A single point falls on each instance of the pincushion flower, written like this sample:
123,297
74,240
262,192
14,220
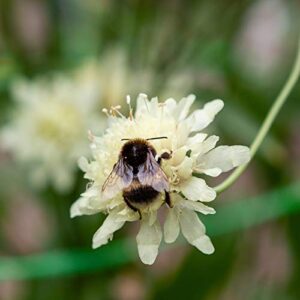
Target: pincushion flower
192,153
114,77
48,130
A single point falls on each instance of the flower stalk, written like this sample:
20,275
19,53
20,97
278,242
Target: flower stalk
266,125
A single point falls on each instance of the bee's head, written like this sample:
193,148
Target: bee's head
134,152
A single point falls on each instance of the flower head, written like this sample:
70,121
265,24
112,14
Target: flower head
190,152
49,126
114,77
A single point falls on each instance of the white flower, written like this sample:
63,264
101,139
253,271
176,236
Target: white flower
192,152
49,126
115,77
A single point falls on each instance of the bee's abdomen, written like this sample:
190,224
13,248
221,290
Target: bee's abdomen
142,194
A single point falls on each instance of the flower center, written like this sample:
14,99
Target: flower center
61,125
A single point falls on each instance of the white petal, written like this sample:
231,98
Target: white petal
75,210
196,189
205,146
127,214
185,169
141,102
182,133
170,106
144,106
148,241
197,138
191,227
152,216
93,191
194,231
91,202
225,158
178,156
171,225
106,231
83,164
82,207
212,172
197,206
154,107
203,117
204,244
183,107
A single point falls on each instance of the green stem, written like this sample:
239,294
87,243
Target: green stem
278,103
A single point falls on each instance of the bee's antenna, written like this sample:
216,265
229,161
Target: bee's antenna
157,138
153,138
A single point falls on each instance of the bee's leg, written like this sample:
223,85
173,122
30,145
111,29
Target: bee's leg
133,207
165,155
168,199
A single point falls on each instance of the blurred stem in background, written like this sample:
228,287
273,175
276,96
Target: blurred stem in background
277,105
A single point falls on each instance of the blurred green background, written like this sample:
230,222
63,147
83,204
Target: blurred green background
239,51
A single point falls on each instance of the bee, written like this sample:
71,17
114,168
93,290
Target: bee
138,175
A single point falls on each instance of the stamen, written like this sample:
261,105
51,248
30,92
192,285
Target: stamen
162,104
105,110
115,110
130,108
112,112
128,100
175,179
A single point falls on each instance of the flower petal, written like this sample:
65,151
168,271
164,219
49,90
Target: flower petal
197,138
183,107
205,146
91,202
194,231
144,106
82,207
212,172
170,106
92,192
78,208
83,164
127,214
182,134
224,158
171,225
203,117
184,170
204,244
178,156
196,189
197,206
106,231
148,241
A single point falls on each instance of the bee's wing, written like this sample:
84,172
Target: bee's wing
119,178
151,174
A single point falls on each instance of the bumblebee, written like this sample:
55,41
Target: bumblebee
138,175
